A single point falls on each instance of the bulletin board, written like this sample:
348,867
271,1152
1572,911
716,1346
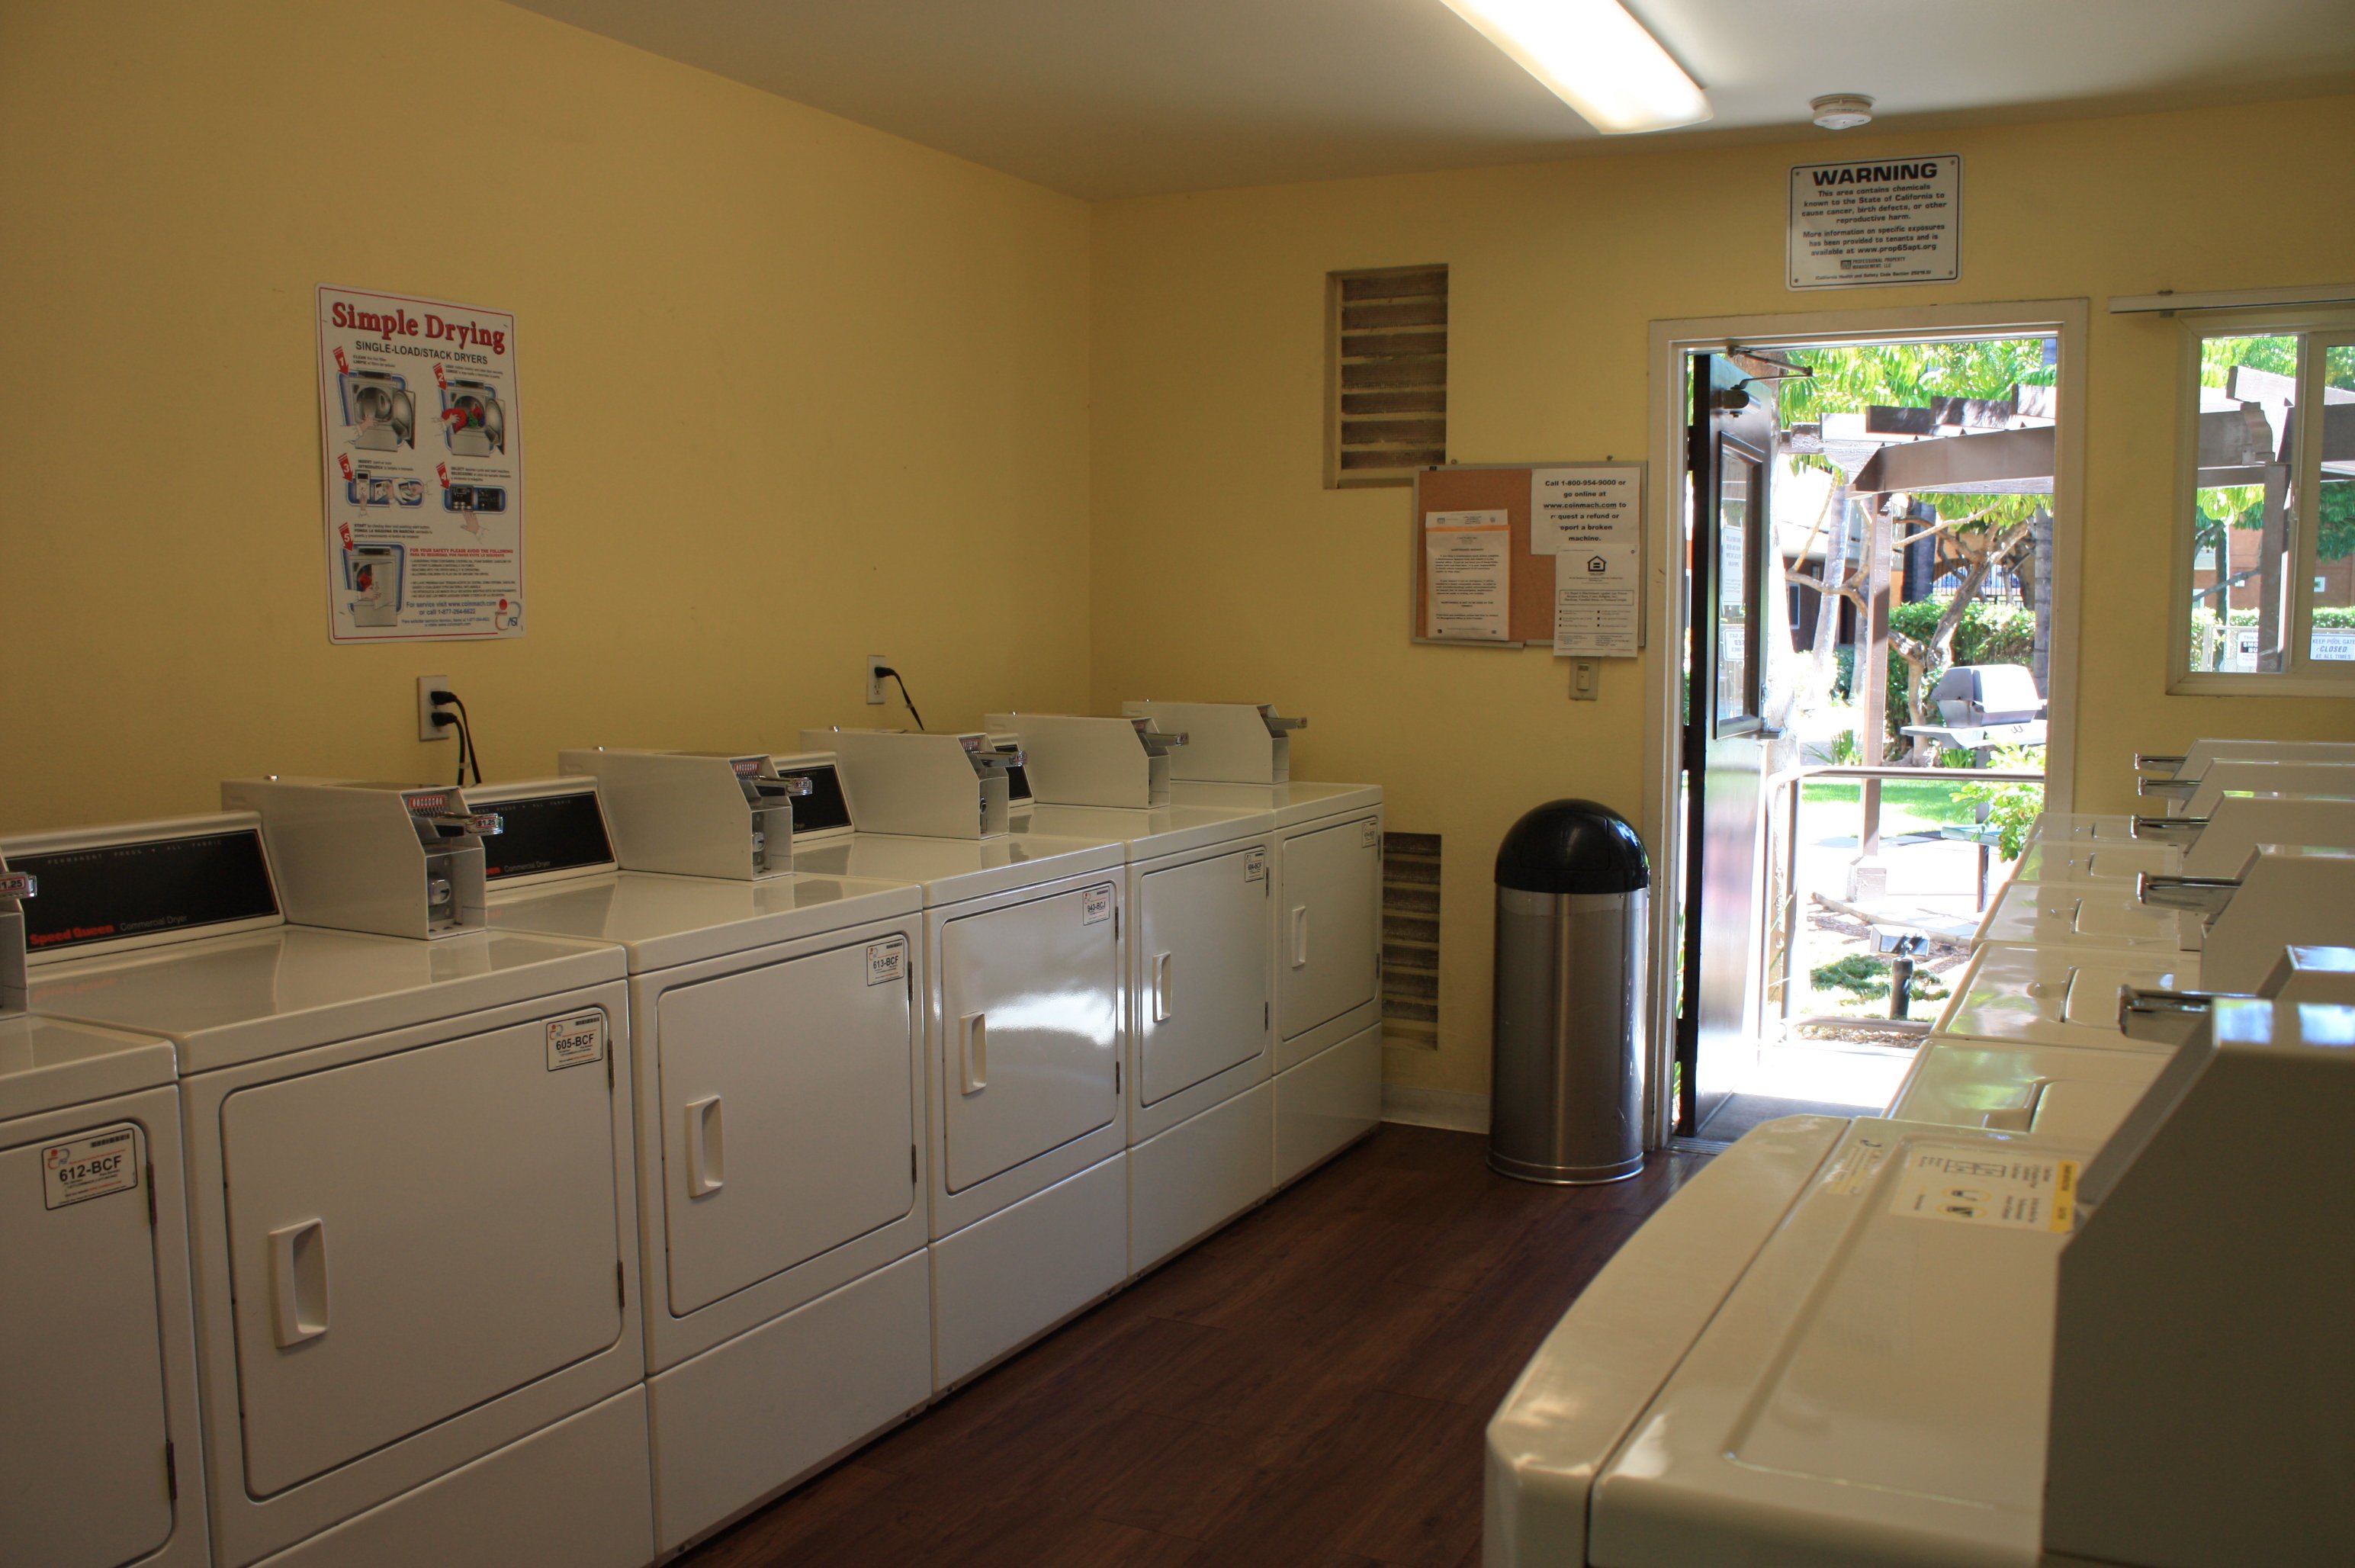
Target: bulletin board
1507,488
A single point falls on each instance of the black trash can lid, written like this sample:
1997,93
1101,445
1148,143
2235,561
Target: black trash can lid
1572,847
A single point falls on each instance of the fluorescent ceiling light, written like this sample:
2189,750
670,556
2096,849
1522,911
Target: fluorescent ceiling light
1595,57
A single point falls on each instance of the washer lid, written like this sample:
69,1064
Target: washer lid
1875,1387
47,1064
660,921
1149,831
227,1000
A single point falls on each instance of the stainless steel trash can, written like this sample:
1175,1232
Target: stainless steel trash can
1566,1096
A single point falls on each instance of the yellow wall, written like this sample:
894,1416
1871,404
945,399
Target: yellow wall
793,391
1221,568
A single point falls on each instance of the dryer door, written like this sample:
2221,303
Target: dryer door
1326,924
414,1235
787,1096
1030,1028
1202,946
82,1447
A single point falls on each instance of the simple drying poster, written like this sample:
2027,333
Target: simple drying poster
423,470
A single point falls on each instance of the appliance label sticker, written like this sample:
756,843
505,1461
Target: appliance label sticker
106,1161
1255,866
1369,833
1853,1171
887,962
1988,1184
422,473
1095,905
577,1040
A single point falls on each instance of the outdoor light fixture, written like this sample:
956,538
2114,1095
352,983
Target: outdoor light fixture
1841,110
1595,57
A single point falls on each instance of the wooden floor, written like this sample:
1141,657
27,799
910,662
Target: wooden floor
1308,1387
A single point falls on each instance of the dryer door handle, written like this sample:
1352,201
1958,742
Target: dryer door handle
973,1029
707,1152
1300,937
298,1281
1161,988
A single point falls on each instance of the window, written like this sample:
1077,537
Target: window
2268,535
1386,375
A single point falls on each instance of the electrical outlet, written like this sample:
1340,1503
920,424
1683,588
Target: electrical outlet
1585,680
874,681
427,685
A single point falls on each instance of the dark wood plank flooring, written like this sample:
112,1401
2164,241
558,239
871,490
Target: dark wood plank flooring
1306,1388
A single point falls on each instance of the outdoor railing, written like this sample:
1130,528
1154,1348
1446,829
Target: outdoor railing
1786,791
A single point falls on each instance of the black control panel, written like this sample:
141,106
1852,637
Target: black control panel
825,805
137,890
547,833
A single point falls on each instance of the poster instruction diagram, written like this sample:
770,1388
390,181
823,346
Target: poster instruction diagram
1467,576
423,469
1883,221
1590,520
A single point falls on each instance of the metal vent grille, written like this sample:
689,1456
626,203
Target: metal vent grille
1410,940
1387,382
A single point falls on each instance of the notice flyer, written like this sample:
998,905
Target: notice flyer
1881,220
1467,576
1590,518
423,469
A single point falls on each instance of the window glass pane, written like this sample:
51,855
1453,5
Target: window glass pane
1737,634
2240,537
2334,536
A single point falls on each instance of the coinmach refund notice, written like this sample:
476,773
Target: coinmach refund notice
1881,220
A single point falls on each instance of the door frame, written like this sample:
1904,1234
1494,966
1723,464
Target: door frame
1673,343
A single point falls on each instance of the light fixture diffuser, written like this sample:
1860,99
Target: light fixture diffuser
1595,57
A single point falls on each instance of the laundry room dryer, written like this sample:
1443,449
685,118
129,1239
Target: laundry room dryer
1328,917
411,1195
102,1447
1024,1023
778,1051
1201,1109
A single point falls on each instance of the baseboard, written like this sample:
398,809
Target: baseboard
1448,1108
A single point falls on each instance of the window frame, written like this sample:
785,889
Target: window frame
2317,332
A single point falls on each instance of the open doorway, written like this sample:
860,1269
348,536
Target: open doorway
1874,616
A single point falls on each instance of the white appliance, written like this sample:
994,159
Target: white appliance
2198,797
1880,1343
1024,1027
2283,893
1328,901
1201,1110
2195,763
2216,844
777,1051
417,1317
103,1449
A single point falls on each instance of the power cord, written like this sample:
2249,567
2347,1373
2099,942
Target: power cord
466,754
883,669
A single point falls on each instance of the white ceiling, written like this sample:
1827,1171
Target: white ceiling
1117,98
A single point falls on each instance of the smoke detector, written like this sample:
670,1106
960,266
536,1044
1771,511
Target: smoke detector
1842,110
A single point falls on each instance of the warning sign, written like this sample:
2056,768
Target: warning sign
1883,221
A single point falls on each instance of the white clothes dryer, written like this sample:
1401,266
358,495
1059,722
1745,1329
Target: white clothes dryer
1024,1001
778,1053
411,1200
103,1448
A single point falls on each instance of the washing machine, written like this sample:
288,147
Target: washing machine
2281,767
777,1051
2216,844
2283,893
102,1448
411,1195
1328,892
1199,884
1877,1343
1024,1000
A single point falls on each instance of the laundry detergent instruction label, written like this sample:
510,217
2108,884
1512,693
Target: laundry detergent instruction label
1095,905
1988,1184
576,1041
422,468
108,1160
887,962
1255,866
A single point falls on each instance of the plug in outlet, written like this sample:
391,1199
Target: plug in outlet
875,682
427,685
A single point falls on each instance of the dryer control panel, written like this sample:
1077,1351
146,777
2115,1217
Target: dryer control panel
395,859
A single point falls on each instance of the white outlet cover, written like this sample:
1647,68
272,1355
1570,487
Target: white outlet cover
874,681
426,729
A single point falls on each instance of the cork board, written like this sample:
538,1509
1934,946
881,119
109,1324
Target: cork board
1503,487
